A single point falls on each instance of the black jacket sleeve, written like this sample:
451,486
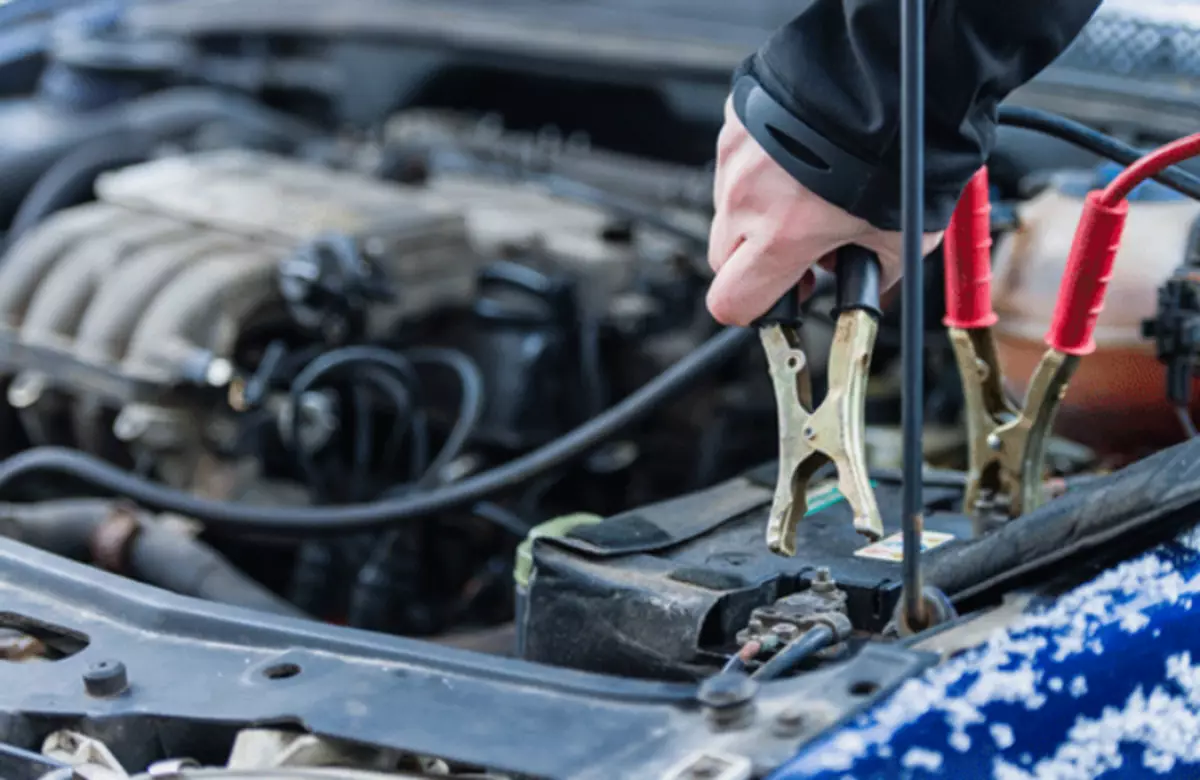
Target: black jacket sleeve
823,94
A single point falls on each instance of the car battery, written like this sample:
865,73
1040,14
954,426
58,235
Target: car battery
661,591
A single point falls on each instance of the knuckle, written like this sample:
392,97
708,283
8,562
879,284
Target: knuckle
721,308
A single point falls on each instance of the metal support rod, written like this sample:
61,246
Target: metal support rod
912,174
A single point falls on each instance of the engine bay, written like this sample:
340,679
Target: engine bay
368,429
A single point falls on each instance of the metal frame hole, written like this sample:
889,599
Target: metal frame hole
864,688
281,671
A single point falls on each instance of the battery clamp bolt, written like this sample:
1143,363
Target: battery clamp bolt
823,581
785,631
728,700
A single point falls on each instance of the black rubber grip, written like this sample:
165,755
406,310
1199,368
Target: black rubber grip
799,149
786,311
858,278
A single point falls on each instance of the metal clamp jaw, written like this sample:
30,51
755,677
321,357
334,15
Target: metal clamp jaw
834,431
1006,445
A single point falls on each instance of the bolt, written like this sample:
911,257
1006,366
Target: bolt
726,690
993,442
706,767
785,631
809,433
823,580
728,699
788,722
105,679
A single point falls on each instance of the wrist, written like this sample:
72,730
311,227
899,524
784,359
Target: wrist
869,190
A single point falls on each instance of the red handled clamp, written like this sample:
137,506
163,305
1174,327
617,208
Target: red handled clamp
1007,445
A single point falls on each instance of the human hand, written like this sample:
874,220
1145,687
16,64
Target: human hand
769,231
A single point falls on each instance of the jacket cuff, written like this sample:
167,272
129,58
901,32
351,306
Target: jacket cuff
868,190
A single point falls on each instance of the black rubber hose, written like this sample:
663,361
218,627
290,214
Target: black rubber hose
69,181
408,419
182,564
470,404
470,411
364,441
168,114
501,518
61,527
157,555
319,521
591,370
795,653
1095,142
392,375
185,109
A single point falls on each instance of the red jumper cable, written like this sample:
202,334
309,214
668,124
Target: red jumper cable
1007,445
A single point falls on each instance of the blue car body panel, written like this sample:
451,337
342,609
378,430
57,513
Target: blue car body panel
1103,682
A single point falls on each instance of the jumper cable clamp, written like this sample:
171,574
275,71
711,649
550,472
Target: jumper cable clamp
834,431
1006,443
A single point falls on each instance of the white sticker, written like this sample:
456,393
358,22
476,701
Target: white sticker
892,548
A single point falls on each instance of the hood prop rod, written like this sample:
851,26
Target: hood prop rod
915,612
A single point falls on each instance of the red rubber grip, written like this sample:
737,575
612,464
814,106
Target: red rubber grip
967,249
1089,269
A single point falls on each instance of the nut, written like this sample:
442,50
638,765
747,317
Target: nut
785,631
728,699
823,581
728,689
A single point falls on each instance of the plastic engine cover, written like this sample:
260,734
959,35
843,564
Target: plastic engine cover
661,591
